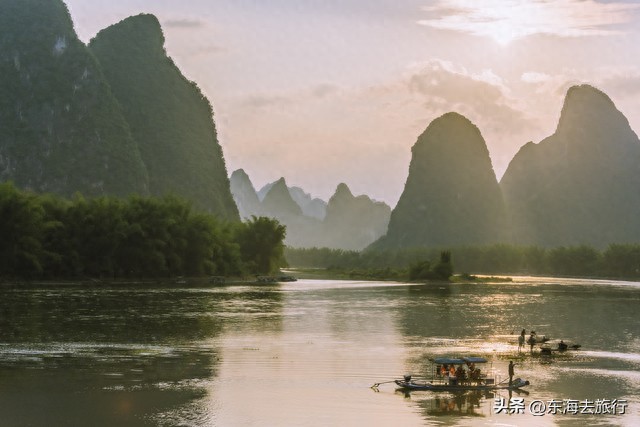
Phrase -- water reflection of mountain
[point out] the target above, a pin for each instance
(125, 314)
(115, 356)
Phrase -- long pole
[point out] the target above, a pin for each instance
(375, 386)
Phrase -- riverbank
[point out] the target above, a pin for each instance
(617, 261)
(385, 275)
(160, 282)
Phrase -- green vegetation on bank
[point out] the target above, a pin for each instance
(47, 237)
(618, 260)
(419, 271)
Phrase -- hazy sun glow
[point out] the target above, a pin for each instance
(507, 20)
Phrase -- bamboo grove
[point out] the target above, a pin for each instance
(47, 237)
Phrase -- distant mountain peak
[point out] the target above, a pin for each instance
(244, 194)
(451, 132)
(453, 120)
(587, 109)
(311, 207)
(346, 222)
(278, 201)
(579, 94)
(453, 116)
(240, 174)
(355, 222)
(343, 191)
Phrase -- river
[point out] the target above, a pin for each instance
(306, 353)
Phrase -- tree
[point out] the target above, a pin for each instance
(261, 244)
(420, 270)
(21, 224)
(444, 268)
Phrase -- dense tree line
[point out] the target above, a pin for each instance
(44, 236)
(423, 270)
(617, 260)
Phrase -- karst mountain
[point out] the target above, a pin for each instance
(345, 222)
(61, 128)
(116, 117)
(169, 117)
(451, 196)
(580, 185)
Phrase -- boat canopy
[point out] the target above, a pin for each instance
(458, 360)
(475, 359)
(449, 361)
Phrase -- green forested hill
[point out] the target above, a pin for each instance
(61, 129)
(581, 184)
(169, 117)
(451, 196)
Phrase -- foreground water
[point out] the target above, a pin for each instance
(306, 353)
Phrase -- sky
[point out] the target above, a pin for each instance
(329, 91)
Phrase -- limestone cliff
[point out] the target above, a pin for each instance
(170, 118)
(61, 129)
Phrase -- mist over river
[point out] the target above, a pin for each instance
(306, 353)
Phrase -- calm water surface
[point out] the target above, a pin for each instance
(307, 353)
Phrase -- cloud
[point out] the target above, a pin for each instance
(535, 77)
(198, 50)
(324, 89)
(267, 101)
(483, 96)
(318, 93)
(184, 23)
(624, 83)
(435, 87)
(508, 20)
(618, 81)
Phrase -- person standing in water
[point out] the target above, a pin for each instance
(532, 341)
(511, 372)
(521, 340)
